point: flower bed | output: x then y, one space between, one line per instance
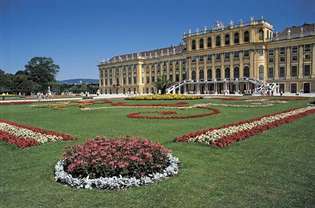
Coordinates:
178 104
25 136
115 163
165 97
226 135
17 102
140 115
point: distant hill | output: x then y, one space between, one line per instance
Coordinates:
79 81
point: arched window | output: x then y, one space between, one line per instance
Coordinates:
209 74
201 75
236 38
236 73
201 43
193 75
209 43
261 34
227 73
193 45
246 72
218 73
261 72
218 41
227 39
246 37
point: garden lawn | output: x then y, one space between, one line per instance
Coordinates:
273 169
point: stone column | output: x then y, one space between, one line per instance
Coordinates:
174 72
167 70
189 69
300 65
313 62
231 66
276 63
241 32
252 67
213 66
139 77
241 65
180 71
222 67
288 63
150 74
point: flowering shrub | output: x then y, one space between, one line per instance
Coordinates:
109 164
226 135
26 136
140 115
165 97
177 104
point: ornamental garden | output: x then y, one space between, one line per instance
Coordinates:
158 151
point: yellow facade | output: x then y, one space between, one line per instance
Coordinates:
233 59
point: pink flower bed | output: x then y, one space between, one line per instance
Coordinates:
104 157
25 136
172 115
229 134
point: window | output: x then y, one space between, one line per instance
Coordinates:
246 37
294 58
282 59
227 73
193 75
293 88
294 71
307 48
307 70
306 87
209 74
209 57
246 72
218 57
246 54
201 59
227 56
261 72
236 54
281 88
218 73
209 43
294 50
261 34
218 41
282 72
201 75
282 51
227 39
236 38
236 73
201 43
270 73
193 45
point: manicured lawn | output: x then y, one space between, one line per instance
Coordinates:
274 169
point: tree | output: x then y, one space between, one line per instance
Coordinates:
42 71
6 82
162 84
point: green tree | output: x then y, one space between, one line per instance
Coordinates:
162 84
42 71
6 82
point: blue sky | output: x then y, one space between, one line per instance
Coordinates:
79 33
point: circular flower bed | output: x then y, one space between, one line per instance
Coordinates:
113 164
165 97
172 115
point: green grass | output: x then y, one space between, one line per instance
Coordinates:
274 169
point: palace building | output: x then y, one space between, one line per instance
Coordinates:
242 58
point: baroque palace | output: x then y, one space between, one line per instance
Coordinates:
242 58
